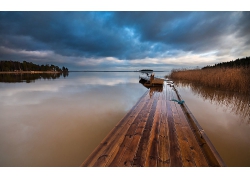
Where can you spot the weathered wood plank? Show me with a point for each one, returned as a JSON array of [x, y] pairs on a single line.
[[164, 157], [116, 134], [118, 159], [197, 153], [117, 139], [195, 149], [128, 156], [156, 132], [186, 155], [153, 152], [140, 157], [212, 156], [175, 155], [125, 142]]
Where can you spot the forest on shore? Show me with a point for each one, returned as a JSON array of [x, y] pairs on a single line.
[[238, 63], [16, 66], [232, 75]]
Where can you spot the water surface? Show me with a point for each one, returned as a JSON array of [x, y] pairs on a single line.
[[59, 121], [225, 117]]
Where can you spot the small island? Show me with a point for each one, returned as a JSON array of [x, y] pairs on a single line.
[[29, 67], [146, 70]]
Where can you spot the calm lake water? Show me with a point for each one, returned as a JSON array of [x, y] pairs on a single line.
[[225, 117], [59, 121]]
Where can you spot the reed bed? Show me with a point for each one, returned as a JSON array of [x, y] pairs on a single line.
[[233, 79]]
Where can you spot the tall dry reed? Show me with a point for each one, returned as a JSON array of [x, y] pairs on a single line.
[[233, 79]]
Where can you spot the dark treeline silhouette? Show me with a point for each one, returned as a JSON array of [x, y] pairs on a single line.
[[29, 77], [15, 66], [238, 63]]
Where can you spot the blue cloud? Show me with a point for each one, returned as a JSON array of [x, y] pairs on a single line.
[[122, 35]]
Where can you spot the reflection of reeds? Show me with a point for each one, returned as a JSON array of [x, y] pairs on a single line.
[[234, 79], [237, 103]]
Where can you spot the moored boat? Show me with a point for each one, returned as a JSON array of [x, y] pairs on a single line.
[[150, 81]]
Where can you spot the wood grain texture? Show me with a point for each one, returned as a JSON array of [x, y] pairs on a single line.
[[116, 135], [155, 132], [123, 156]]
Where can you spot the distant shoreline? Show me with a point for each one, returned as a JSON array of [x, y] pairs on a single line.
[[30, 72], [114, 71], [55, 72]]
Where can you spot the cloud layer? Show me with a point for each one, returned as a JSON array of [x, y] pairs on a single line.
[[124, 40]]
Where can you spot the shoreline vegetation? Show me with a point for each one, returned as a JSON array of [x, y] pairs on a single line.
[[30, 72], [232, 76], [28, 76], [15, 67]]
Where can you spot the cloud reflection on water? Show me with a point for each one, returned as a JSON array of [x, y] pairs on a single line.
[[59, 122]]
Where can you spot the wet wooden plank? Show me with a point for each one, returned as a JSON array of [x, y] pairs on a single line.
[[175, 155], [116, 134], [212, 156], [129, 153], [148, 125], [156, 132], [164, 157], [186, 155], [180, 123], [122, 158], [153, 152], [141, 155], [194, 147], [125, 142]]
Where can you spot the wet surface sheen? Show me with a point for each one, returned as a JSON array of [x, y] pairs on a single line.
[[60, 121], [225, 117]]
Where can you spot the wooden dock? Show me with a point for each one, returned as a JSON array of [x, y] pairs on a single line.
[[156, 132]]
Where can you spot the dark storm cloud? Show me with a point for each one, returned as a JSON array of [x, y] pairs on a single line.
[[77, 36], [189, 31], [243, 25], [67, 33]]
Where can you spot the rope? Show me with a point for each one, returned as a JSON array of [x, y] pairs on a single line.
[[179, 102]]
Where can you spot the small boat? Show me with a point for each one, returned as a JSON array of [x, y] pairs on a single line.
[[150, 81]]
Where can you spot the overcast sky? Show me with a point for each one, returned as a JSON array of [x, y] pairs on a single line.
[[91, 40]]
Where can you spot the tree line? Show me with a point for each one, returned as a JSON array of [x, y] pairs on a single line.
[[15, 66], [29, 77], [238, 63]]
